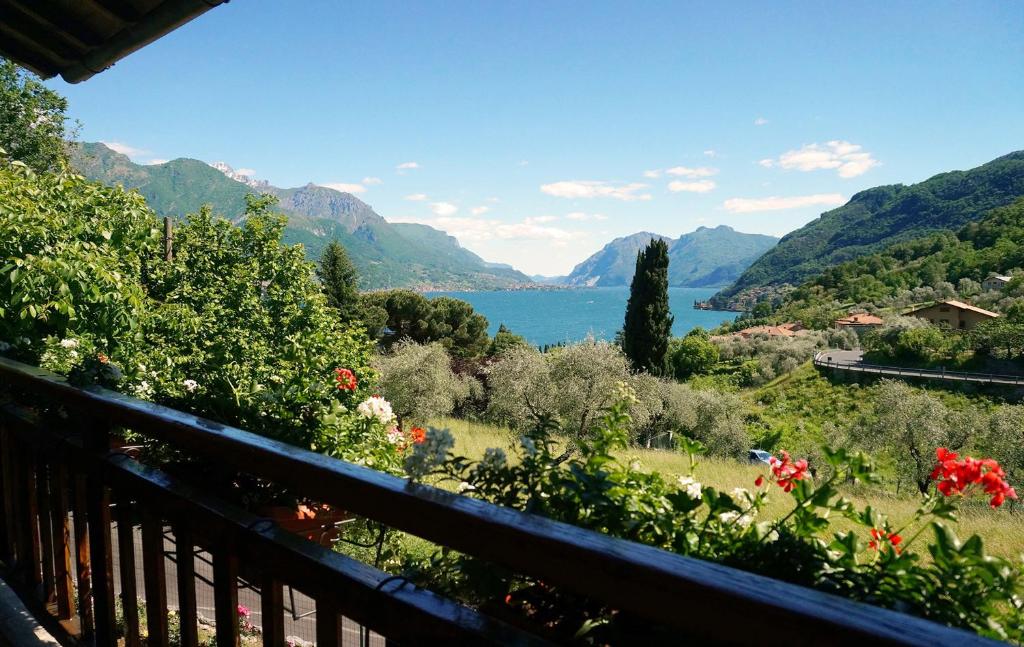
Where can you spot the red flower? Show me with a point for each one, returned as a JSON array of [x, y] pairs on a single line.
[[953, 476], [759, 481], [103, 359], [878, 537], [786, 472], [346, 379], [419, 434]]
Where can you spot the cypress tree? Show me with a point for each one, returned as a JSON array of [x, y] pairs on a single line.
[[340, 280], [648, 325]]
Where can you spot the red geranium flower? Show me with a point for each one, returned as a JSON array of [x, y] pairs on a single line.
[[419, 434], [954, 475], [786, 472], [878, 537], [346, 379]]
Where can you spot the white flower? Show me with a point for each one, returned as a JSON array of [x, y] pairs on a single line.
[[190, 385], [691, 487], [394, 436], [69, 343], [741, 520], [144, 389], [376, 407], [73, 354], [465, 486], [741, 494]]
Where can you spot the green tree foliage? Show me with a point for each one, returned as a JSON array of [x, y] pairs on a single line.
[[648, 324], [235, 328], [451, 322], [908, 424], [925, 269], [340, 280], [503, 340], [691, 355], [418, 381], [32, 119]]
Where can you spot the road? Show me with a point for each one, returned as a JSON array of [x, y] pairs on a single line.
[[853, 360]]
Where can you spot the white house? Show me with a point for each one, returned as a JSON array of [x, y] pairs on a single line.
[[995, 282]]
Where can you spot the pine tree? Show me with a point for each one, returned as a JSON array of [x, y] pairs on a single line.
[[340, 280], [648, 325]]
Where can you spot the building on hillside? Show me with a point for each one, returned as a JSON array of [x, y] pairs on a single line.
[[786, 330], [955, 314], [995, 282], [858, 322]]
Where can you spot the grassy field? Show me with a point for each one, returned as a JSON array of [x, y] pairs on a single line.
[[1002, 530]]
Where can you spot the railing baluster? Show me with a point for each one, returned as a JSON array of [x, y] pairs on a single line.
[[225, 596], [82, 565], [186, 569], [126, 565], [9, 510], [60, 527], [328, 623], [272, 611], [98, 510], [30, 511], [155, 578], [46, 530]]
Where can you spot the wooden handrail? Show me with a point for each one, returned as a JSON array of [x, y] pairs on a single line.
[[701, 599]]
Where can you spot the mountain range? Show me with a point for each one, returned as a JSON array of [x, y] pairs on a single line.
[[386, 254], [876, 218], [707, 257]]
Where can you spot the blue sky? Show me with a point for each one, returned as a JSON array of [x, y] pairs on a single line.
[[537, 131]]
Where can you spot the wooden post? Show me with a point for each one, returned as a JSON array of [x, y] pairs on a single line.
[[168, 239]]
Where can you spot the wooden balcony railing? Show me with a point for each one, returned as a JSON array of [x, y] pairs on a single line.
[[64, 489]]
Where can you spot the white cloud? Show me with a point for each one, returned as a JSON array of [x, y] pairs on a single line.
[[698, 186], [443, 208], [760, 121], [416, 197], [849, 160], [245, 171], [372, 180], [493, 200], [479, 211], [684, 171], [778, 203], [477, 229], [125, 149], [596, 189], [524, 162], [540, 219], [344, 187], [654, 174], [406, 166], [156, 160], [581, 216], [710, 153]]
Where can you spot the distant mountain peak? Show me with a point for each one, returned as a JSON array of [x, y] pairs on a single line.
[[244, 178]]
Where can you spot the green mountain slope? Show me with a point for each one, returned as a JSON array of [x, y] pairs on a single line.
[[703, 258], [386, 254], [939, 265], [881, 216]]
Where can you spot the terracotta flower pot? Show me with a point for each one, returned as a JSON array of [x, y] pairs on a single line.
[[318, 523]]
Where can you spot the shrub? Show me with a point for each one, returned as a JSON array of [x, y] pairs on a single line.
[[691, 355]]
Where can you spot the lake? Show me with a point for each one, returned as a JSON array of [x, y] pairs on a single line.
[[552, 316]]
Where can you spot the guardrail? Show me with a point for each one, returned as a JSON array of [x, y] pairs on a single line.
[[822, 359], [61, 480]]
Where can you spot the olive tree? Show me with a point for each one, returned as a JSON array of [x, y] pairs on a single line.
[[909, 424], [419, 382]]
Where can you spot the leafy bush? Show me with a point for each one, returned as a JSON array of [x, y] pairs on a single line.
[[691, 355], [876, 562]]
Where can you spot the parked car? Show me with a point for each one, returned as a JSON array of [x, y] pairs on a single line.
[[759, 456]]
